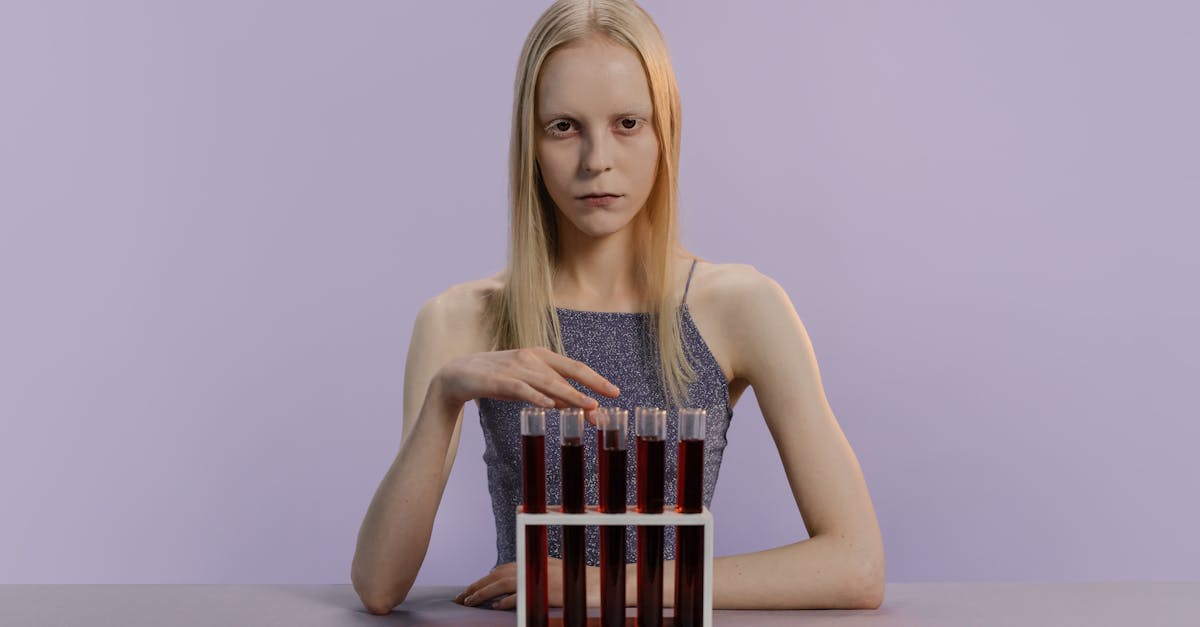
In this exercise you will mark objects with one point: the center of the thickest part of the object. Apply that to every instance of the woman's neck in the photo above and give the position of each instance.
(597, 273)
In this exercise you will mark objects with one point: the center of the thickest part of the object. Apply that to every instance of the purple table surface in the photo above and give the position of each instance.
(1124, 604)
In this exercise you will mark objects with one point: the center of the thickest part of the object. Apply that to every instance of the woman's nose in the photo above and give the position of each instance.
(597, 155)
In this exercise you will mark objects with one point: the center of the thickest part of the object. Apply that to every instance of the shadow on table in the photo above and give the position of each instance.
(428, 606)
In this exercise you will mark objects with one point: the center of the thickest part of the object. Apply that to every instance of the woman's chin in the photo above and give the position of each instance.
(600, 223)
(602, 232)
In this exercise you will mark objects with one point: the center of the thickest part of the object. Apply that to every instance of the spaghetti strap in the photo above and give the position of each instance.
(689, 281)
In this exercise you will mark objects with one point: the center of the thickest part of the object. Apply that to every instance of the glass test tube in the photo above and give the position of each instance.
(533, 483)
(613, 426)
(650, 424)
(574, 552)
(689, 547)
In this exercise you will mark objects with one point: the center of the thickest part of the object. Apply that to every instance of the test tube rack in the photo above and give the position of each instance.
(593, 516)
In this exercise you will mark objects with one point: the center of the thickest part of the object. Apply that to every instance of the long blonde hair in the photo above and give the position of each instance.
(522, 313)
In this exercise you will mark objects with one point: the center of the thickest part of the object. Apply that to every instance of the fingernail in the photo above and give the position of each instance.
(495, 604)
(469, 600)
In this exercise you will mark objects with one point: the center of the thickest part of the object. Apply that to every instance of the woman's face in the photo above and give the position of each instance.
(595, 134)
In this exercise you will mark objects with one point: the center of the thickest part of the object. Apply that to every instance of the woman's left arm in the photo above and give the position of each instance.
(840, 565)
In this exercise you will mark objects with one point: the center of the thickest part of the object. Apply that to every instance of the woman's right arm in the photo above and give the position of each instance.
(395, 532)
(445, 369)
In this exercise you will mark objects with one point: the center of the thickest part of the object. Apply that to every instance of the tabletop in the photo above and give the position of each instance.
(1144, 604)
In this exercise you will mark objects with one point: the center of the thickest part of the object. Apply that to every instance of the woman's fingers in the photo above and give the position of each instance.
(581, 372)
(469, 590)
(549, 382)
(556, 568)
(539, 376)
(470, 596)
(502, 585)
(519, 390)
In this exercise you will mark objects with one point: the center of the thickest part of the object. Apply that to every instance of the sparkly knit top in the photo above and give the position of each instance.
(617, 346)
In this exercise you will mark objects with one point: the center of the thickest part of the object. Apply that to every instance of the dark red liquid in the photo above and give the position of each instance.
(651, 453)
(651, 456)
(574, 566)
(572, 476)
(690, 497)
(689, 547)
(611, 464)
(612, 537)
(689, 565)
(533, 484)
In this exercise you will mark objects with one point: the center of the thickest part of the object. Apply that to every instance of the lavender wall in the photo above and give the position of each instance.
(218, 219)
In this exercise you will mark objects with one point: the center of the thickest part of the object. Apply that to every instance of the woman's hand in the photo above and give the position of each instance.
(502, 583)
(534, 375)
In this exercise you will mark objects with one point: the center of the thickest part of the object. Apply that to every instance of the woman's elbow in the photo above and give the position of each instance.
(869, 591)
(379, 605)
(378, 600)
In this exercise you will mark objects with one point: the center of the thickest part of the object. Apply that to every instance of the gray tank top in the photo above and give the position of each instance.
(618, 346)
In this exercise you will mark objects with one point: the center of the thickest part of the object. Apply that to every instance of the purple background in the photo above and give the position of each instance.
(218, 220)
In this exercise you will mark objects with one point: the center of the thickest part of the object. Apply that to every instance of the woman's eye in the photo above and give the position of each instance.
(562, 127)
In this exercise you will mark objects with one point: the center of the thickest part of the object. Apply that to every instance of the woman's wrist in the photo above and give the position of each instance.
(438, 396)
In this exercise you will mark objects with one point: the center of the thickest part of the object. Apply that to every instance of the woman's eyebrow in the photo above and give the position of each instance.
(546, 117)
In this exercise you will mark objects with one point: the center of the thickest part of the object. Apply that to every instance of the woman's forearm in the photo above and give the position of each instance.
(817, 573)
(395, 532)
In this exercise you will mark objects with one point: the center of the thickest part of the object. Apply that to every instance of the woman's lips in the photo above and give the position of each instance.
(599, 201)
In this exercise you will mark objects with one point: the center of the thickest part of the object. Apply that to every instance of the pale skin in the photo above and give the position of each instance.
(745, 317)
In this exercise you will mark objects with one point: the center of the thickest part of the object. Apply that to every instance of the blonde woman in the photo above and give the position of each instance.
(600, 303)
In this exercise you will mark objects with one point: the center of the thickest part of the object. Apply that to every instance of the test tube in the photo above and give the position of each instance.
(574, 552)
(533, 483)
(651, 427)
(689, 547)
(614, 424)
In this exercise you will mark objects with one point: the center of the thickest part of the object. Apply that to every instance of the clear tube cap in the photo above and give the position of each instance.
(691, 423)
(533, 421)
(613, 422)
(650, 422)
(570, 424)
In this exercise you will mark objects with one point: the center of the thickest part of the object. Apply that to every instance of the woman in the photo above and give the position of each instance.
(574, 321)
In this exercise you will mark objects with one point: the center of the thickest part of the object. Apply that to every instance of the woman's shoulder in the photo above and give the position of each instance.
(722, 284)
(462, 306)
(716, 301)
(469, 296)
